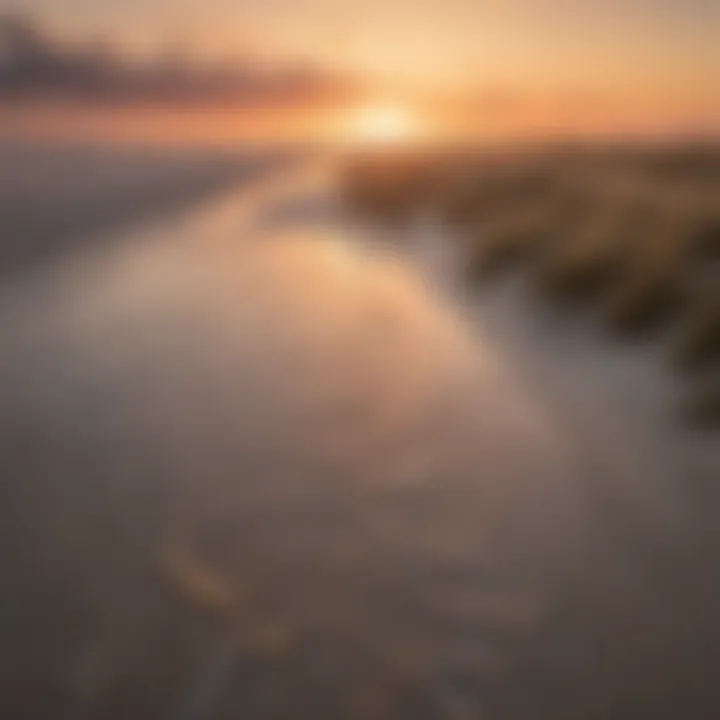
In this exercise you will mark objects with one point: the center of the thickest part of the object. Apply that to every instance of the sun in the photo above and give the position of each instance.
(381, 124)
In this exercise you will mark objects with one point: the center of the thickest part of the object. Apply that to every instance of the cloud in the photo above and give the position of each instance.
(35, 65)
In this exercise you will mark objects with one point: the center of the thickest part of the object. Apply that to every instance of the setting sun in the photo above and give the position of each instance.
(384, 124)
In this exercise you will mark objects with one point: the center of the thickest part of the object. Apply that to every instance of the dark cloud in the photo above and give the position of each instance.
(35, 65)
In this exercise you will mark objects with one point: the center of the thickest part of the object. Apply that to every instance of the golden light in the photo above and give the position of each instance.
(380, 124)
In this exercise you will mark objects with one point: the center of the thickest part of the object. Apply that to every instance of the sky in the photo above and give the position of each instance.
(660, 54)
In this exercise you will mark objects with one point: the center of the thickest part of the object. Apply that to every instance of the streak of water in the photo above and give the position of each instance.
(257, 425)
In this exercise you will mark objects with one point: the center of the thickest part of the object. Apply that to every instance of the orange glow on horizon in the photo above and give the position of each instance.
(401, 120)
(383, 124)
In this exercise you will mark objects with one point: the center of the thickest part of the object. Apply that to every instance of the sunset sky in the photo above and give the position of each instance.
(609, 56)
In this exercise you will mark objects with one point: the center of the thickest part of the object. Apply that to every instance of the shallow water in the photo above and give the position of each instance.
(261, 462)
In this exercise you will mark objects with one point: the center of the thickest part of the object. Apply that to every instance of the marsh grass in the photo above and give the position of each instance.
(510, 237)
(589, 254)
(633, 230)
(698, 345)
(701, 407)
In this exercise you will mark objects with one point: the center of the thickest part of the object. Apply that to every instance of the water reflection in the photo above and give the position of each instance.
(294, 421)
(256, 466)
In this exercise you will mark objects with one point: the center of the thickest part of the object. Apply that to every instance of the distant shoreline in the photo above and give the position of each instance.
(55, 199)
